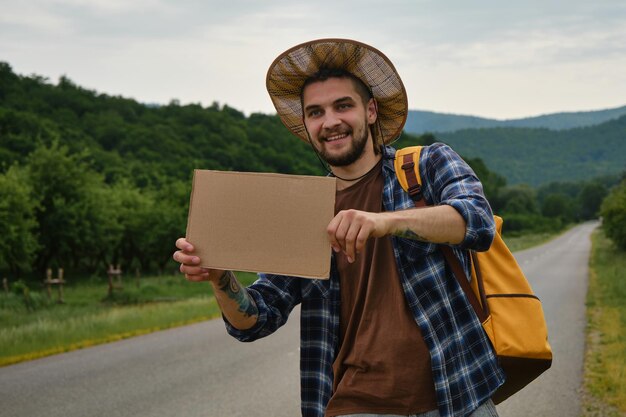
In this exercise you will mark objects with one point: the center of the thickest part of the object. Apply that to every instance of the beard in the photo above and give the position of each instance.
(351, 155)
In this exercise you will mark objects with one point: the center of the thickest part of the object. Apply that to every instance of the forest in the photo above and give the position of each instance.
(540, 156)
(88, 179)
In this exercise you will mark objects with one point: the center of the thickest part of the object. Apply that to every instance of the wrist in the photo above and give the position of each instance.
(216, 275)
(389, 223)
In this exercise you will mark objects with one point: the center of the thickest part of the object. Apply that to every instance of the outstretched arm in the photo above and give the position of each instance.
(350, 229)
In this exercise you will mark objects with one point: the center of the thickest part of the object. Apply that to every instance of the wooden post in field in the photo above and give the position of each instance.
(5, 285)
(61, 282)
(115, 278)
(49, 282)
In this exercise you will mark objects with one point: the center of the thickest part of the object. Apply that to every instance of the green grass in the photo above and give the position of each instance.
(605, 358)
(88, 317)
(517, 243)
(33, 326)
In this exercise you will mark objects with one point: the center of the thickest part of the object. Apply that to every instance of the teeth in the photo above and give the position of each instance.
(336, 137)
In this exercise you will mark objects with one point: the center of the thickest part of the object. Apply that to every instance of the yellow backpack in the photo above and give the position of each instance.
(500, 294)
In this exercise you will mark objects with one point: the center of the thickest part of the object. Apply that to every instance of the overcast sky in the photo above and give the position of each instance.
(498, 59)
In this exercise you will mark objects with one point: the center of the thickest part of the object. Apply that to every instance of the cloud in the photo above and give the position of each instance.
(23, 18)
(455, 55)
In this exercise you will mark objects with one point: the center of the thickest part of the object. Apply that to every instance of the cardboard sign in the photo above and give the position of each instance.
(258, 222)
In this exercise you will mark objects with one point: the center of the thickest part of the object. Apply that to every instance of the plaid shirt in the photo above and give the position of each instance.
(465, 369)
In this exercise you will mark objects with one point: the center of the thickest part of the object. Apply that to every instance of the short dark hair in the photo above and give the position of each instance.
(324, 74)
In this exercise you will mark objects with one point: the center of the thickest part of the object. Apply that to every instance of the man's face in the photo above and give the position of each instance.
(337, 121)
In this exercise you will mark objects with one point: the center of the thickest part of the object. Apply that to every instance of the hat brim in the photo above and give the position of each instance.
(289, 71)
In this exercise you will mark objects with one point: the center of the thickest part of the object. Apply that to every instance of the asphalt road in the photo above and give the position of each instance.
(200, 371)
(558, 273)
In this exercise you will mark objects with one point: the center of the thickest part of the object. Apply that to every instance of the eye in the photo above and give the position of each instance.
(344, 106)
(314, 113)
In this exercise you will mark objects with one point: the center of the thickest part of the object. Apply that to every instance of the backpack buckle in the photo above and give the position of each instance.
(415, 192)
(408, 165)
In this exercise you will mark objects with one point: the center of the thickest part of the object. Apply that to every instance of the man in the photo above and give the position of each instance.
(391, 332)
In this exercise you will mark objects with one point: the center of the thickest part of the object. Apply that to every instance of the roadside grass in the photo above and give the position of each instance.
(32, 327)
(605, 357)
(517, 243)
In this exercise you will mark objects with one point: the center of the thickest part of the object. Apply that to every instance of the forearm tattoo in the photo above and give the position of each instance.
(409, 234)
(229, 284)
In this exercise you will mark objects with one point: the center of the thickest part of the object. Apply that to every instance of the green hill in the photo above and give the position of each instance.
(419, 122)
(153, 144)
(150, 144)
(88, 179)
(539, 156)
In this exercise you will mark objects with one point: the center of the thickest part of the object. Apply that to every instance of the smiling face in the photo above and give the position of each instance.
(338, 120)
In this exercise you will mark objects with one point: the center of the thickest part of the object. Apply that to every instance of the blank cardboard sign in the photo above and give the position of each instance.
(259, 222)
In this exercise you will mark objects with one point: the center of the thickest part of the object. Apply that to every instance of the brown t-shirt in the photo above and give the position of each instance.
(383, 364)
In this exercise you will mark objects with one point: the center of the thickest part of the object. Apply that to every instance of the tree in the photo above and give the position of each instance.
(168, 219)
(18, 131)
(73, 214)
(519, 199)
(613, 212)
(590, 199)
(96, 227)
(133, 217)
(558, 206)
(18, 225)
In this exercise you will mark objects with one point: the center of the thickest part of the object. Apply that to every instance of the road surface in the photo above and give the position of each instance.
(558, 272)
(198, 370)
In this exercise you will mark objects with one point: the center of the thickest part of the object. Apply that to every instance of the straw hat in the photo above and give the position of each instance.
(289, 71)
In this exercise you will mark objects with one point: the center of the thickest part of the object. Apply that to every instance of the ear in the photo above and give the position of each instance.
(372, 111)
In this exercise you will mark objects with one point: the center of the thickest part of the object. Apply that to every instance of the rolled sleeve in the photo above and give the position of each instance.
(479, 229)
(451, 181)
(275, 296)
(256, 331)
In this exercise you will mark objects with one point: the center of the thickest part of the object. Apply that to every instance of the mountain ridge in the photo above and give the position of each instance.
(539, 155)
(423, 121)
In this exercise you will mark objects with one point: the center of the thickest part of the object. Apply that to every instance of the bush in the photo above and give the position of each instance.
(12, 302)
(558, 206)
(22, 295)
(613, 213)
(516, 223)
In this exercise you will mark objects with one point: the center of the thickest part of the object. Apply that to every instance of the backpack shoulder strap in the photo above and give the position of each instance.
(407, 166)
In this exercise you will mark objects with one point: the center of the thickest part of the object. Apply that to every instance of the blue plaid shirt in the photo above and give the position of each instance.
(465, 369)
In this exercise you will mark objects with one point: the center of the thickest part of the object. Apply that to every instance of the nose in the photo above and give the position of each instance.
(330, 120)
